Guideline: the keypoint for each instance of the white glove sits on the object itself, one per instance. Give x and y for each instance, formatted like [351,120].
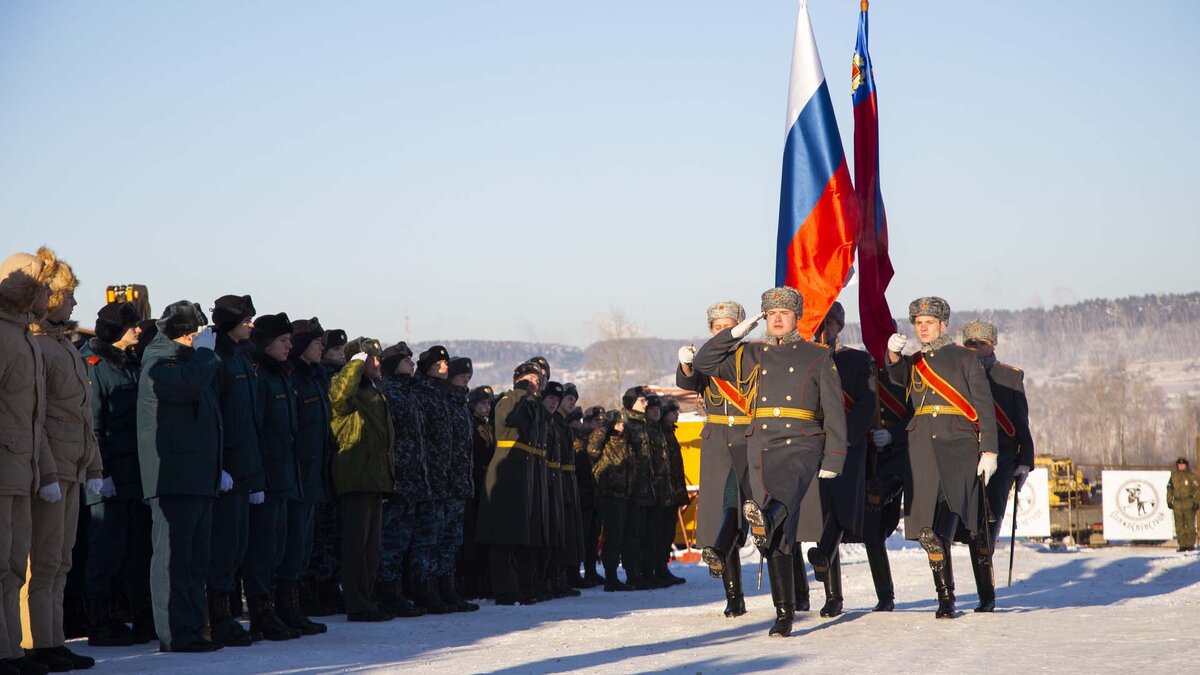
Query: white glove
[881,438]
[826,473]
[739,331]
[361,356]
[896,343]
[226,482]
[686,354]
[50,493]
[257,498]
[205,339]
[93,485]
[109,488]
[987,466]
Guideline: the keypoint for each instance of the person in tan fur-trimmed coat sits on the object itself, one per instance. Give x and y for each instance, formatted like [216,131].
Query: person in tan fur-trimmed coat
[22,439]
[75,460]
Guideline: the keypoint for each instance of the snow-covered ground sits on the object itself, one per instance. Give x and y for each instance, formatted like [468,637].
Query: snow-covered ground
[1099,610]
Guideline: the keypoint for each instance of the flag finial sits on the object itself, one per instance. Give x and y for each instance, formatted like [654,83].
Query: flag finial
[864,5]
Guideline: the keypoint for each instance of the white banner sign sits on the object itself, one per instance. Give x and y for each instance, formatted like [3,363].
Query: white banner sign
[1033,507]
[1135,506]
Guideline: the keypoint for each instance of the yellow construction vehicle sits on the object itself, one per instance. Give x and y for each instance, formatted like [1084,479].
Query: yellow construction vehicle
[138,294]
[1067,483]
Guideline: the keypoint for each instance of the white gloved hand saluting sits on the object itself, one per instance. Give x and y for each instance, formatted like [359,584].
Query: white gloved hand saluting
[205,339]
[361,356]
[987,466]
[50,493]
[226,481]
[881,438]
[686,354]
[896,343]
[109,488]
[826,473]
[93,485]
[739,331]
[257,498]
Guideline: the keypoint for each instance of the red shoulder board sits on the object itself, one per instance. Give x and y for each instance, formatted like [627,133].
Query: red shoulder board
[93,360]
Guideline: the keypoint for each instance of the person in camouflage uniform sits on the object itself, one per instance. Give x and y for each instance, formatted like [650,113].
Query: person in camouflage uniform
[676,496]
[411,484]
[324,597]
[655,551]
[1183,497]
[473,570]
[641,514]
[433,366]
[461,488]
[612,469]
[581,430]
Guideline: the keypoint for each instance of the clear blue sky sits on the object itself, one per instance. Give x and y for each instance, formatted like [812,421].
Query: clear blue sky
[509,170]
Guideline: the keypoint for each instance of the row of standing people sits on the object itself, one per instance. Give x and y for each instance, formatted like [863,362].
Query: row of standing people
[813,442]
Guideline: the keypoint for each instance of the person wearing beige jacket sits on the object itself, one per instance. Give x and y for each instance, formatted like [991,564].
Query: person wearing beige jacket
[23,443]
[75,462]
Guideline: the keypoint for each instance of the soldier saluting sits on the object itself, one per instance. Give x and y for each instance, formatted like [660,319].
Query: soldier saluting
[951,439]
[798,429]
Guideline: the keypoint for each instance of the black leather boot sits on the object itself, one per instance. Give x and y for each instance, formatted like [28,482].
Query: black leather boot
[881,576]
[142,629]
[103,628]
[287,603]
[765,521]
[265,620]
[783,593]
[800,579]
[943,580]
[985,582]
[392,600]
[450,597]
[726,541]
[821,555]
[329,599]
[833,587]
[425,595]
[223,628]
[731,579]
[613,583]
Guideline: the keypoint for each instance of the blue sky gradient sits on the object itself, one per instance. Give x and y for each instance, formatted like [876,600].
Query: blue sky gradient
[511,170]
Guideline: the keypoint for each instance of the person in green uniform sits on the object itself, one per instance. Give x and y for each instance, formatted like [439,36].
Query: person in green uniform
[1183,497]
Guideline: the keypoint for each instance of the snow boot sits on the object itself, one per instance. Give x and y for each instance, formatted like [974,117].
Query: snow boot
[800,579]
[764,522]
[985,582]
[450,597]
[393,602]
[783,593]
[265,620]
[881,576]
[731,579]
[103,628]
[833,587]
[425,595]
[287,600]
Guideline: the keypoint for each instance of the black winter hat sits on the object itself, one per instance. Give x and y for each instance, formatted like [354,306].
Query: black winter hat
[114,319]
[576,415]
[527,368]
[230,310]
[613,416]
[181,318]
[553,389]
[268,327]
[569,389]
[304,333]
[460,365]
[334,338]
[478,394]
[670,405]
[631,396]
[594,413]
[364,344]
[431,356]
[392,356]
[653,401]
[543,364]
[1182,460]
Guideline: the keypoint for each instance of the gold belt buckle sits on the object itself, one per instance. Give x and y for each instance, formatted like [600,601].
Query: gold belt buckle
[936,409]
[731,420]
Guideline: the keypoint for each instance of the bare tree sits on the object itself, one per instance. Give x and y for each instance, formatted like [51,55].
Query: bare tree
[620,358]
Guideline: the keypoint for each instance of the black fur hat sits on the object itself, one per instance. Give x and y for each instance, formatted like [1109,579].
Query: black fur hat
[543,364]
[527,368]
[335,338]
[631,396]
[431,356]
[268,327]
[392,356]
[460,365]
[230,310]
[114,319]
[478,394]
[304,333]
[553,389]
[569,389]
[364,344]
[594,413]
[181,318]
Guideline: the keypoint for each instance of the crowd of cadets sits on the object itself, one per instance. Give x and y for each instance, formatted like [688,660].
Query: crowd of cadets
[268,466]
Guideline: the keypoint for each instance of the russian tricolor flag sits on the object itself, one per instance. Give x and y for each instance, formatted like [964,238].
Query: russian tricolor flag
[818,212]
